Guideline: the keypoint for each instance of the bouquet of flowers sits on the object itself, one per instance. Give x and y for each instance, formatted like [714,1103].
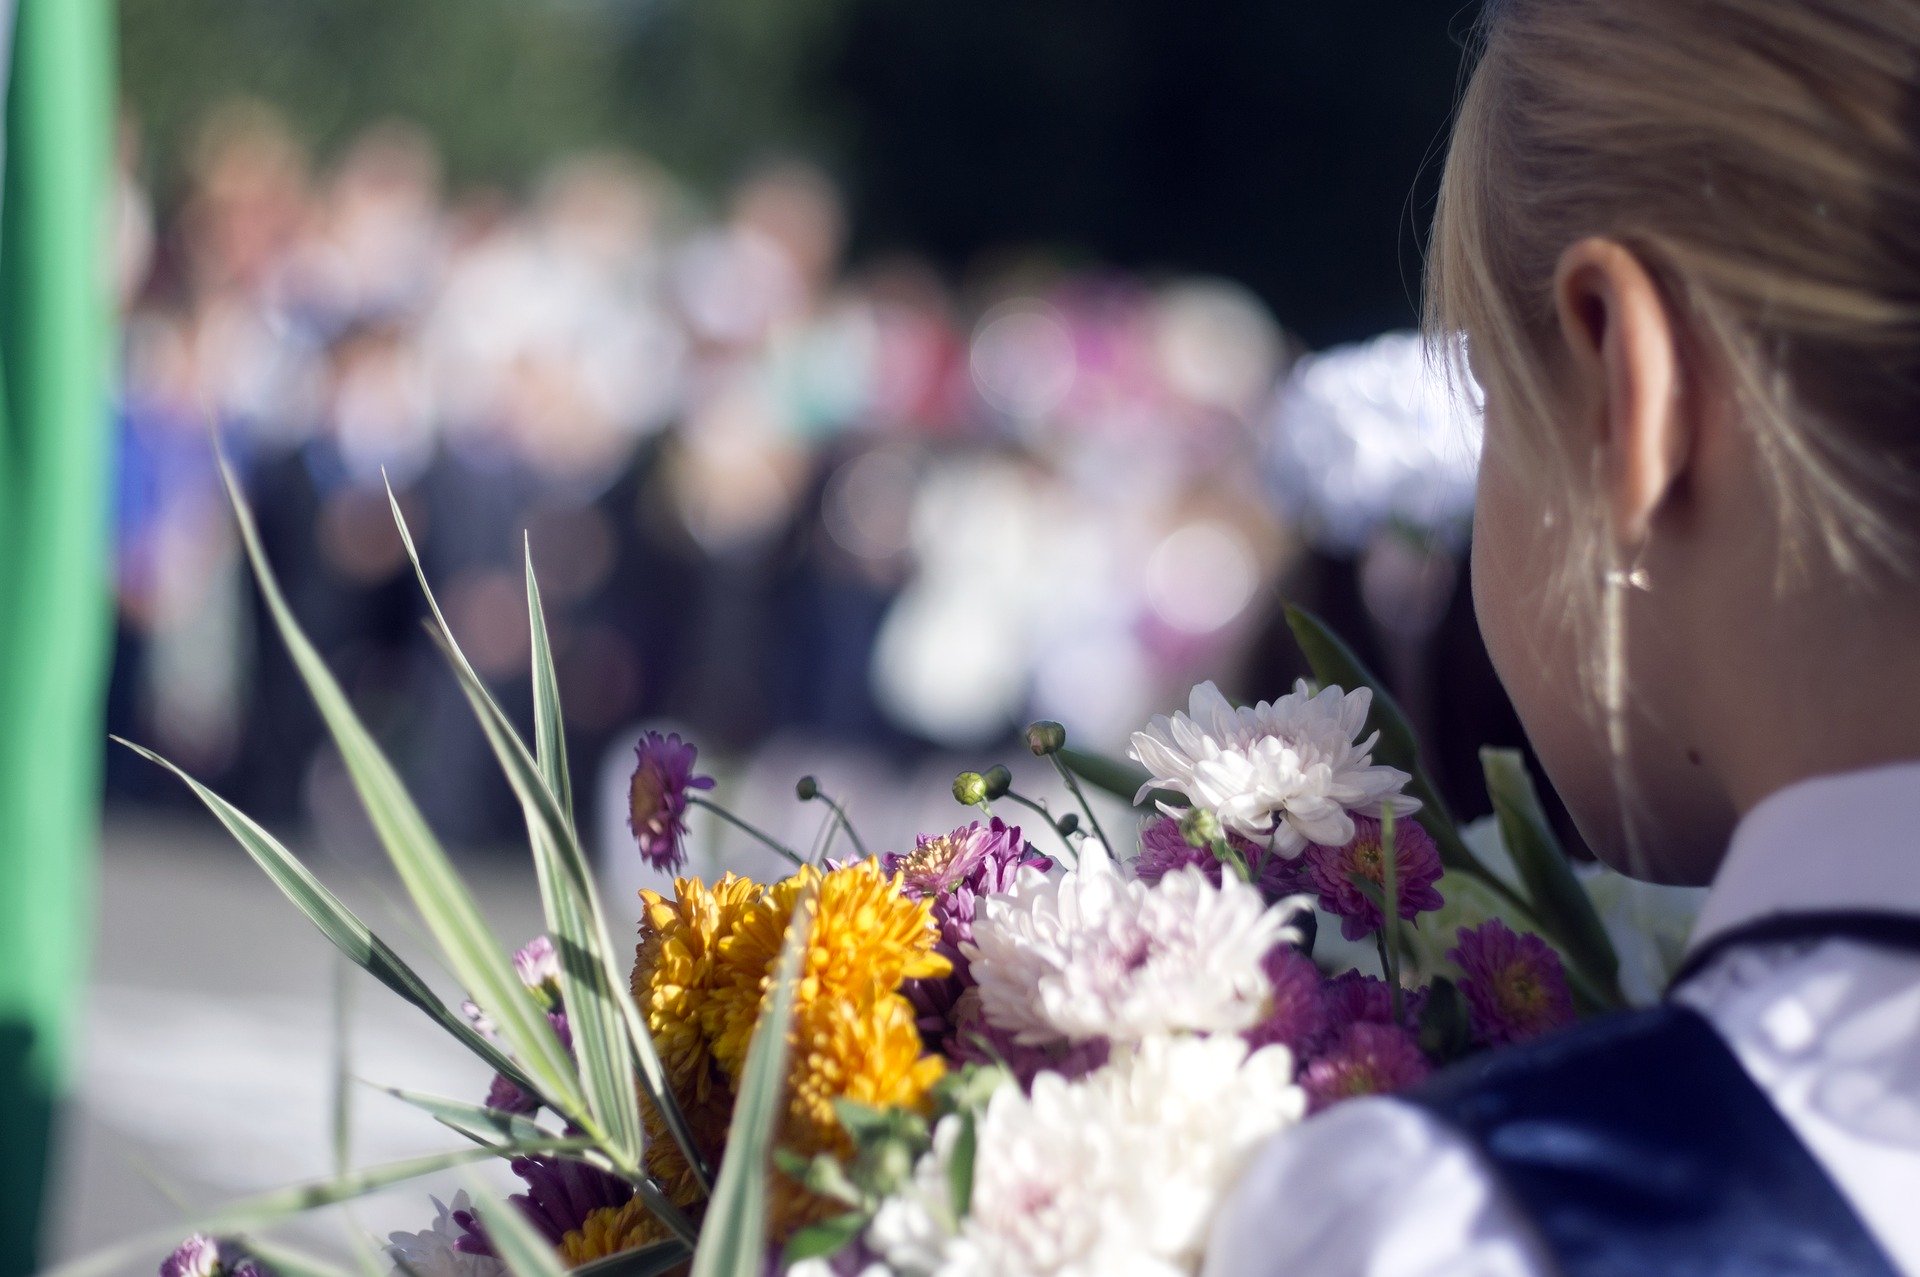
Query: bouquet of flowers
[1010,1049]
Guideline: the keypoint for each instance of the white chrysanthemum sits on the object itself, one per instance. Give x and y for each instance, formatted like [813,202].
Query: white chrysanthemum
[1118,1174]
[1287,772]
[1092,954]
[431,1253]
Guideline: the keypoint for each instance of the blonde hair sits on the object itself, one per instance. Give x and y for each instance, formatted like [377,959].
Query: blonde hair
[1762,159]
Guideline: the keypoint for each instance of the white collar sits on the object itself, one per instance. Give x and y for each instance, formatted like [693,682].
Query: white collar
[1830,844]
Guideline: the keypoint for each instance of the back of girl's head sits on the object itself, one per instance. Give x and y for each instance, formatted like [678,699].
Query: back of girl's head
[1762,159]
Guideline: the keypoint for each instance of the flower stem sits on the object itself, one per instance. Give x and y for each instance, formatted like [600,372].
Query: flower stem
[1073,785]
[840,814]
[745,828]
[1047,816]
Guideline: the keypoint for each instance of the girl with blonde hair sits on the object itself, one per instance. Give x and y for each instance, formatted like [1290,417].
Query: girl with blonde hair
[1682,241]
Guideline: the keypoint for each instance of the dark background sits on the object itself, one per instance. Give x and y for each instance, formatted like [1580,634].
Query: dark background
[1289,144]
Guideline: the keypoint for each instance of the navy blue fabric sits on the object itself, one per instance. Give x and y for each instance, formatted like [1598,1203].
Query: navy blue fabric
[1638,1147]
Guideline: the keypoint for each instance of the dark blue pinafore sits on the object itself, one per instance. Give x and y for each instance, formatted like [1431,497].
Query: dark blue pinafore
[1639,1147]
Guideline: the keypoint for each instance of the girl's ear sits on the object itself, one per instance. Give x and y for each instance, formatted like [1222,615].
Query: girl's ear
[1624,364]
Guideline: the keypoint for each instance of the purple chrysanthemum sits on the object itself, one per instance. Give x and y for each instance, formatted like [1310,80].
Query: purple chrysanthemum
[1164,849]
[975,1041]
[560,1195]
[1354,998]
[197,1256]
[1297,1019]
[204,1256]
[1330,871]
[1364,1059]
[1514,984]
[953,871]
[537,963]
[657,797]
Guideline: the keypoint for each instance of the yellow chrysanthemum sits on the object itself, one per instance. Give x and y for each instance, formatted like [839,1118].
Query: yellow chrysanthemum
[866,937]
[844,1050]
[675,967]
[611,1230]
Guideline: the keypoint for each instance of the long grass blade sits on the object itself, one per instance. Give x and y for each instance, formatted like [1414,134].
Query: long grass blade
[549,724]
[339,924]
[483,1125]
[571,901]
[589,983]
[270,1208]
[476,959]
[284,1261]
[733,1242]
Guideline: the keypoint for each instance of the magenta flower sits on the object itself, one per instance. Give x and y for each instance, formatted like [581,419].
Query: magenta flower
[560,1195]
[954,870]
[1330,872]
[657,810]
[537,964]
[1514,984]
[1353,998]
[1365,1059]
[1297,1019]
[1164,850]
[973,1040]
[203,1256]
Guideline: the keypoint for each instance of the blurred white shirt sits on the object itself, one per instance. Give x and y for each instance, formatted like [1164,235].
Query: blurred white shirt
[1830,1030]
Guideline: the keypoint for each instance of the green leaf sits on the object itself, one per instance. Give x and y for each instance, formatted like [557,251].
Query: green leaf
[269,1208]
[1558,900]
[1445,1034]
[339,924]
[1117,776]
[549,726]
[477,1122]
[733,1241]
[960,1168]
[823,1240]
[466,941]
[1335,665]
[589,982]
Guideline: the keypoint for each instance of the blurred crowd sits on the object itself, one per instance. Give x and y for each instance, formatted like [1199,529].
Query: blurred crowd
[767,490]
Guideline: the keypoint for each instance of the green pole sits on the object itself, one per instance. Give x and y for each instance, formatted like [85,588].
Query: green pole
[55,339]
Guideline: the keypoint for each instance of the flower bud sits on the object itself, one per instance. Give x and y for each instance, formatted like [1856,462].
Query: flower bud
[806,789]
[970,789]
[1046,737]
[1200,827]
[1067,824]
[999,781]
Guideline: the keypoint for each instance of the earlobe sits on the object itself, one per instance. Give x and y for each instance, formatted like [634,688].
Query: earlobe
[1621,341]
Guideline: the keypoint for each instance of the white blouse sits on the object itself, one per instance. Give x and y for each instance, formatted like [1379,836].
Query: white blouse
[1830,1030]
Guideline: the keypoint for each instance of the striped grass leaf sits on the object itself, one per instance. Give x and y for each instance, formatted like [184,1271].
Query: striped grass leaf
[589,983]
[522,1249]
[549,725]
[492,1127]
[270,1208]
[339,924]
[466,941]
[733,1239]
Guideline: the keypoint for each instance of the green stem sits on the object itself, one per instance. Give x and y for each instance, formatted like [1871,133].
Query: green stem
[1093,821]
[1047,816]
[745,828]
[840,813]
